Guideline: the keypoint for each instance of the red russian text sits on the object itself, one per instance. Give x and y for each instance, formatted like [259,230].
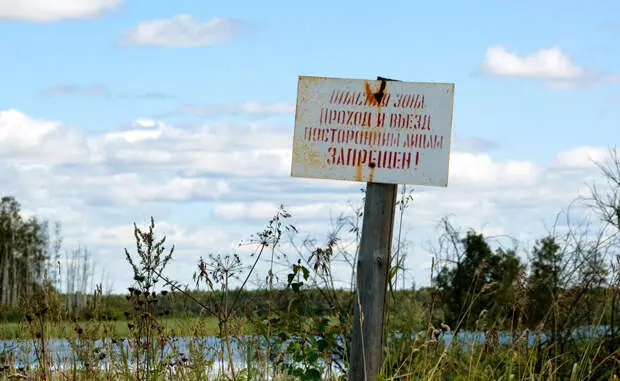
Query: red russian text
[359,137]
[352,157]
[345,118]
[410,121]
[423,141]
[356,98]
[411,101]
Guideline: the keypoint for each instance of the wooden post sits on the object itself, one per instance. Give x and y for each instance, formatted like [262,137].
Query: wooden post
[372,276]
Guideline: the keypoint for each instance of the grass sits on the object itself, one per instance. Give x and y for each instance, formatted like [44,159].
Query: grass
[179,326]
[314,348]
[63,329]
[423,357]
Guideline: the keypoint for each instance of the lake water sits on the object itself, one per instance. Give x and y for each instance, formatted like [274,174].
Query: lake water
[63,352]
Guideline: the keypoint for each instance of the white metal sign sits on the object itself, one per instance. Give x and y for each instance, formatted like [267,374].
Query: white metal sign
[373,131]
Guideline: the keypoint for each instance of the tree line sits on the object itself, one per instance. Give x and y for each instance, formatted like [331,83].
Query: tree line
[23,252]
[32,260]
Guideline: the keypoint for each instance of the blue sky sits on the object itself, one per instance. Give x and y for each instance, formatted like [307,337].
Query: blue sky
[537,96]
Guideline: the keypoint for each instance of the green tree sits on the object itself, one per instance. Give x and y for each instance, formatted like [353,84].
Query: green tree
[465,283]
[508,299]
[544,280]
[24,247]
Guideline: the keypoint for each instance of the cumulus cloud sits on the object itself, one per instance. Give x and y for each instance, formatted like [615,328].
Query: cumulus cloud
[482,170]
[213,149]
[184,31]
[582,157]
[26,140]
[551,64]
[545,63]
[263,211]
[46,11]
[243,210]
[175,233]
[143,129]
[215,185]
[132,188]
[109,243]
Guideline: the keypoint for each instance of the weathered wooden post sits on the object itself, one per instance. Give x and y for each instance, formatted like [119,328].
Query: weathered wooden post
[378,132]
[373,266]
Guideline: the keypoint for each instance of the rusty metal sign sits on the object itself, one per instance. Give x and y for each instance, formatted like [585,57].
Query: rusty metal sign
[378,131]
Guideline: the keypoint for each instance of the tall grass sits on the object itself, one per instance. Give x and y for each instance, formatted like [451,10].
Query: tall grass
[288,340]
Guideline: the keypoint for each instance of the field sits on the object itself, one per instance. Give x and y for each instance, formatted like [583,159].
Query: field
[181,327]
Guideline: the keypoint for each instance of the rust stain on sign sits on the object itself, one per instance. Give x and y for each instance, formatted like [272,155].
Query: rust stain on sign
[371,176]
[375,99]
[358,172]
[372,97]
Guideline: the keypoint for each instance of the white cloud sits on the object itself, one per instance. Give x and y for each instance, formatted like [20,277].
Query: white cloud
[25,140]
[218,148]
[217,184]
[143,129]
[184,31]
[242,210]
[582,157]
[17,129]
[545,63]
[122,235]
[132,189]
[175,189]
[47,10]
[551,64]
[111,241]
[265,210]
[481,170]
